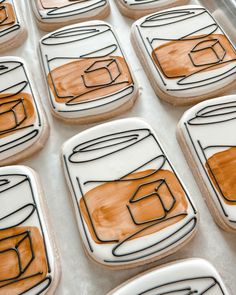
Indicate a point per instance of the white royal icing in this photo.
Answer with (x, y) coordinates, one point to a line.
(211, 124)
(70, 11)
(109, 152)
(15, 79)
(192, 276)
(176, 24)
(146, 4)
(93, 39)
(10, 32)
(21, 206)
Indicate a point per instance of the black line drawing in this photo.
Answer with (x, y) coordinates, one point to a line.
(113, 144)
(105, 58)
(208, 284)
(141, 2)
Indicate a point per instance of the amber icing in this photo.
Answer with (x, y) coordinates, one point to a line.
(16, 112)
(23, 262)
(7, 16)
(185, 57)
(88, 79)
(222, 170)
(107, 205)
(49, 4)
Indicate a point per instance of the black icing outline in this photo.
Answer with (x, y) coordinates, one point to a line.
(143, 3)
(188, 289)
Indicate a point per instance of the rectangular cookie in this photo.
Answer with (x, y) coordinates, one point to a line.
(23, 124)
(86, 72)
(186, 54)
(12, 29)
(136, 8)
(130, 205)
(184, 277)
(53, 14)
(205, 133)
(28, 257)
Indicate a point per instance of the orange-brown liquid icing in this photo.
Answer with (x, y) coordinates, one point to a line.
(21, 112)
(108, 202)
(173, 58)
(69, 79)
(222, 170)
(7, 16)
(9, 264)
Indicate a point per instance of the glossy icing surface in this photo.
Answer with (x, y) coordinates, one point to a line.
(58, 11)
(208, 130)
(193, 276)
(114, 184)
(84, 81)
(26, 254)
(21, 117)
(10, 24)
(186, 50)
(146, 4)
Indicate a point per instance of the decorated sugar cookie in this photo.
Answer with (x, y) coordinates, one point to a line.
(12, 29)
(206, 134)
(136, 8)
(23, 125)
(186, 54)
(130, 205)
(87, 75)
(192, 276)
(28, 258)
(53, 14)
